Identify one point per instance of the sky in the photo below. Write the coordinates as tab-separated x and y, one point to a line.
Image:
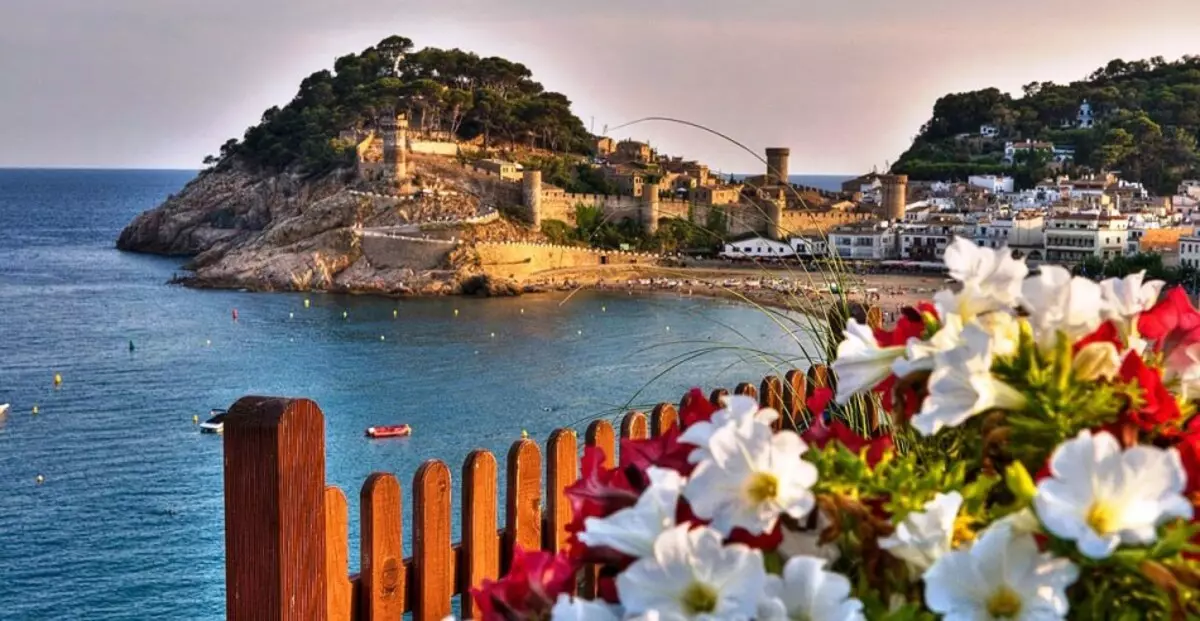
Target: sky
844	83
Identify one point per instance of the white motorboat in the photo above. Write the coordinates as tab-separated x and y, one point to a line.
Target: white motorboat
4	407
215	422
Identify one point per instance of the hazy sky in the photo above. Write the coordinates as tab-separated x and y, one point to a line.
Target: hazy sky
844	83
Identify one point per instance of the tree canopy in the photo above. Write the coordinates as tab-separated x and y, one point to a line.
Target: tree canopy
451	91
1146	122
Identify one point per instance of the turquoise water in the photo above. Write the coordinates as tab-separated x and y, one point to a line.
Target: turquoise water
128	523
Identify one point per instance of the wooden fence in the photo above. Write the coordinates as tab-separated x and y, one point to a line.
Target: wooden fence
286	531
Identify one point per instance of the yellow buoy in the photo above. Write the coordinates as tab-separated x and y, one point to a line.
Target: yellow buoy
40	479
456	312
604	309
35	409
524	435
345	314
306	302
57	379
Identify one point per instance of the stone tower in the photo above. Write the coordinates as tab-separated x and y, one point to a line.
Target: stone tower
774	206
777	165
395	148
531	190
894	197
650	210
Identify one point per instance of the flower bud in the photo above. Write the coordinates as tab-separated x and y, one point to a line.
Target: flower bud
1096	361
1017	478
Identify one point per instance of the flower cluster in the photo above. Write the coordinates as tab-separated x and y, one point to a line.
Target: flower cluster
907	492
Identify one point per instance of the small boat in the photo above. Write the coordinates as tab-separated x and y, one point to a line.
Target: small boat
4	409
215	422
389	431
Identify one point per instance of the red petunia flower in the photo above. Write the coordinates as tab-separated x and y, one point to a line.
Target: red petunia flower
1159	410
695	408
1106	333
910	324
528	590
818	401
600	492
1173	324
664	451
820	434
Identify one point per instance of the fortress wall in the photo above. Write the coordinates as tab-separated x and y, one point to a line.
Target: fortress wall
520	260
388	252
675	209
431	147
797	222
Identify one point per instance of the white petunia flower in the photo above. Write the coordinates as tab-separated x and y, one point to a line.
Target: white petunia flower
1001	576
993	271
1056	301
1100	496
808	542
962	385
924	536
1186	369
806	591
1128	297
633	530
739	410
567	608
919	355
752	476
691	575
861	363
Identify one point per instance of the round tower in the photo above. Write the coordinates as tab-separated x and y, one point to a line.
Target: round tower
775	217
395	147
531	194
650	207
894	196
777	165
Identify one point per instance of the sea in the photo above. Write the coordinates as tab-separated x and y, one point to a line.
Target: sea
111	503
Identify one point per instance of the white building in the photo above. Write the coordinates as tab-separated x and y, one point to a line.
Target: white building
1085	119
810	246
1022	231
928	241
993	184
1076	236
757	248
863	241
988	130
1189	250
1013	149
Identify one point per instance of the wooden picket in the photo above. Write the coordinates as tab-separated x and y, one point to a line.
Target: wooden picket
287	543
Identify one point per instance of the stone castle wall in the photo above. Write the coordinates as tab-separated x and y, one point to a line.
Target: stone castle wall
433	147
521	260
406	252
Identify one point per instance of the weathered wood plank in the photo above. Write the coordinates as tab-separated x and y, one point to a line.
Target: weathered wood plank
562	469
635	427
481	545
717	397
382	579
523	514
663	419
771	396
433	559
746	389
795	392
601	435
340	593
275	564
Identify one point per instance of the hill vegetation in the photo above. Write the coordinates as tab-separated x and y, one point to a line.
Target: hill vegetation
1147	119
450	92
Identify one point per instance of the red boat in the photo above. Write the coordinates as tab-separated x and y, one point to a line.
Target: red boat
389	431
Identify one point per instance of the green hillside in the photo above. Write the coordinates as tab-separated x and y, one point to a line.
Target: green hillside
1147	118
442	90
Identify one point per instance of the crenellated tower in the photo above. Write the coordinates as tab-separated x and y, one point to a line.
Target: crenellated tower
894	197
777	165
531	190
650	208
395	148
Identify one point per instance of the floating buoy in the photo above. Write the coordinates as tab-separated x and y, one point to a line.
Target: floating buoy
395	313
345	314
522	311
235	314
130	345
306	302
57	379
493	335
291	315
35	409
580	332
524	435
208	342
456	312
668	328
382	338
195	419
40	479
604	309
